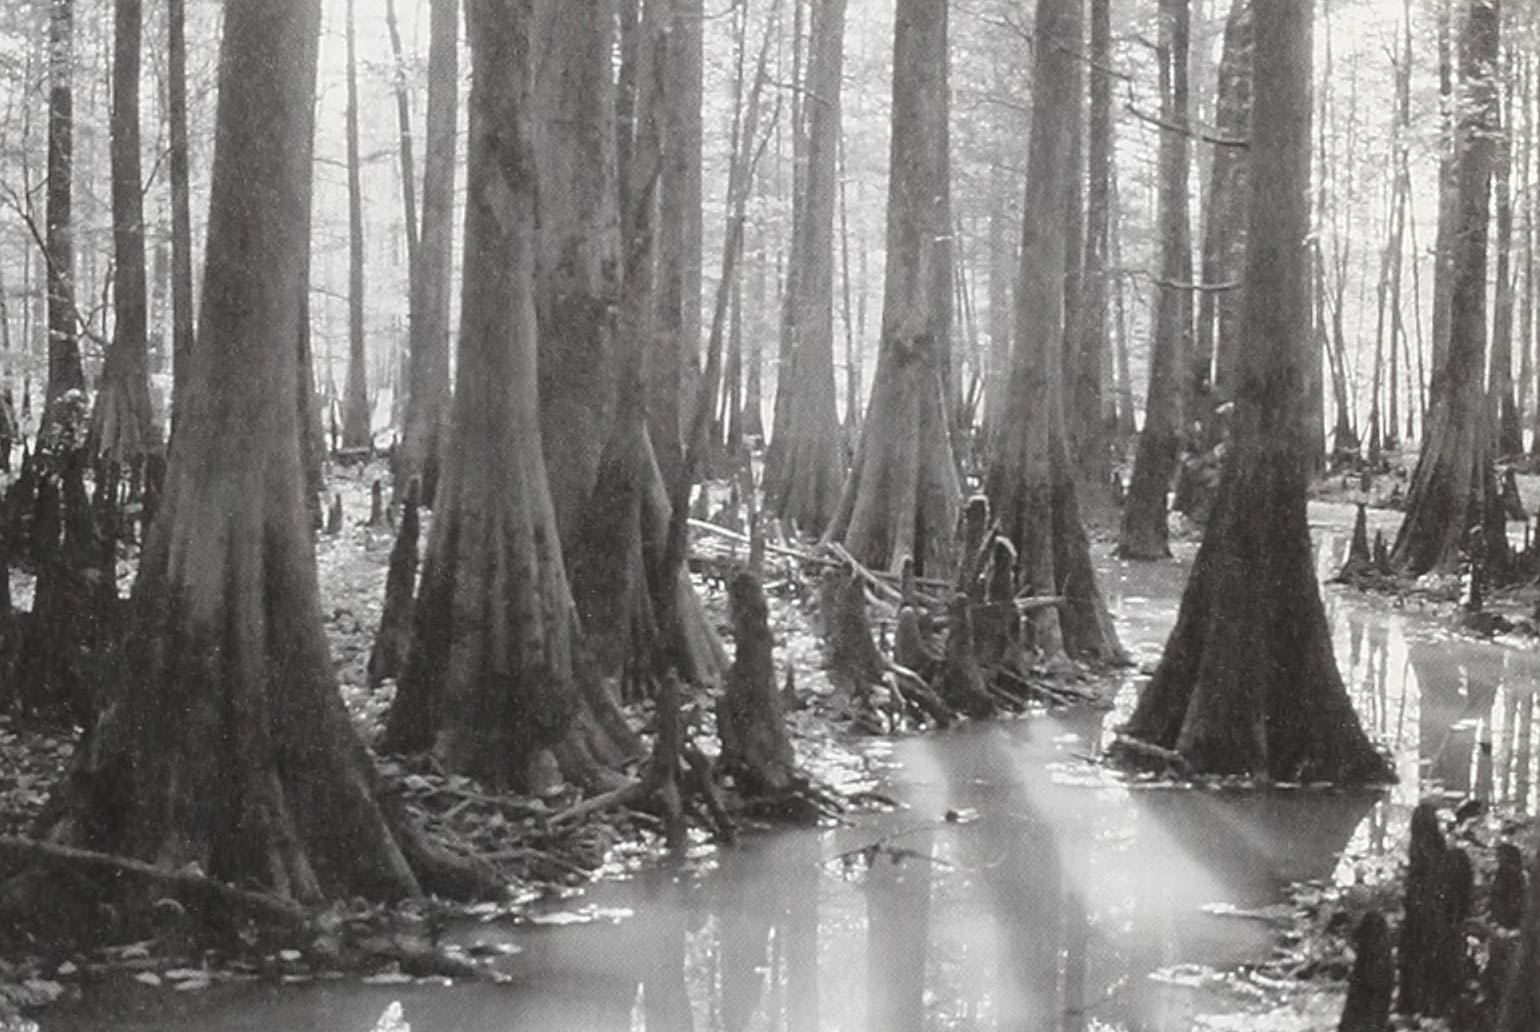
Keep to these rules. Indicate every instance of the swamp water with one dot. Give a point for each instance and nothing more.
(1021, 887)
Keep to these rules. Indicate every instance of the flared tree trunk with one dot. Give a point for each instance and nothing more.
(1144, 534)
(123, 427)
(1031, 482)
(1248, 683)
(1224, 227)
(901, 496)
(806, 483)
(489, 686)
(227, 747)
(64, 371)
(1454, 487)
(356, 429)
(427, 398)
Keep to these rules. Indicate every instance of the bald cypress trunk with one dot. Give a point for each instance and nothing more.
(225, 745)
(490, 686)
(356, 429)
(1248, 683)
(1031, 482)
(901, 496)
(1454, 487)
(1143, 534)
(64, 371)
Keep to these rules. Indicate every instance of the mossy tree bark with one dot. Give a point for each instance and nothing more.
(123, 427)
(806, 481)
(902, 494)
(1454, 487)
(1031, 482)
(1248, 683)
(227, 746)
(489, 686)
(427, 399)
(1143, 534)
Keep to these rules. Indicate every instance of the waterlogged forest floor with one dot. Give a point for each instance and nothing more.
(1281, 971)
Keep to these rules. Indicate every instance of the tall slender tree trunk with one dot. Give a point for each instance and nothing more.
(676, 345)
(123, 427)
(404, 125)
(901, 496)
(1509, 427)
(1002, 273)
(357, 428)
(1224, 227)
(786, 355)
(1031, 481)
(64, 370)
(1144, 533)
(806, 482)
(181, 213)
(1094, 457)
(1454, 487)
(427, 404)
(1248, 683)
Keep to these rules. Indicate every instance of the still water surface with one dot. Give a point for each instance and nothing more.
(1062, 899)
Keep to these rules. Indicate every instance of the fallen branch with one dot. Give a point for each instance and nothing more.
(625, 795)
(1151, 751)
(23, 852)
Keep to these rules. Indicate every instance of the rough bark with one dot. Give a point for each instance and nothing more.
(1374, 975)
(1031, 480)
(489, 686)
(806, 483)
(1224, 226)
(394, 636)
(1500, 387)
(64, 371)
(1143, 534)
(755, 746)
(356, 429)
(1520, 1008)
(181, 211)
(677, 332)
(902, 494)
(1454, 488)
(427, 399)
(1248, 683)
(1094, 457)
(1430, 952)
(123, 427)
(227, 746)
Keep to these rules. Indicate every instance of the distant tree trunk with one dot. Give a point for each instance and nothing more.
(181, 216)
(1248, 683)
(1510, 429)
(1224, 227)
(1095, 465)
(489, 685)
(404, 124)
(677, 331)
(357, 431)
(227, 747)
(1454, 488)
(1002, 273)
(1144, 534)
(786, 354)
(1444, 244)
(901, 497)
(427, 399)
(64, 371)
(123, 427)
(805, 484)
(1401, 192)
(1031, 481)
